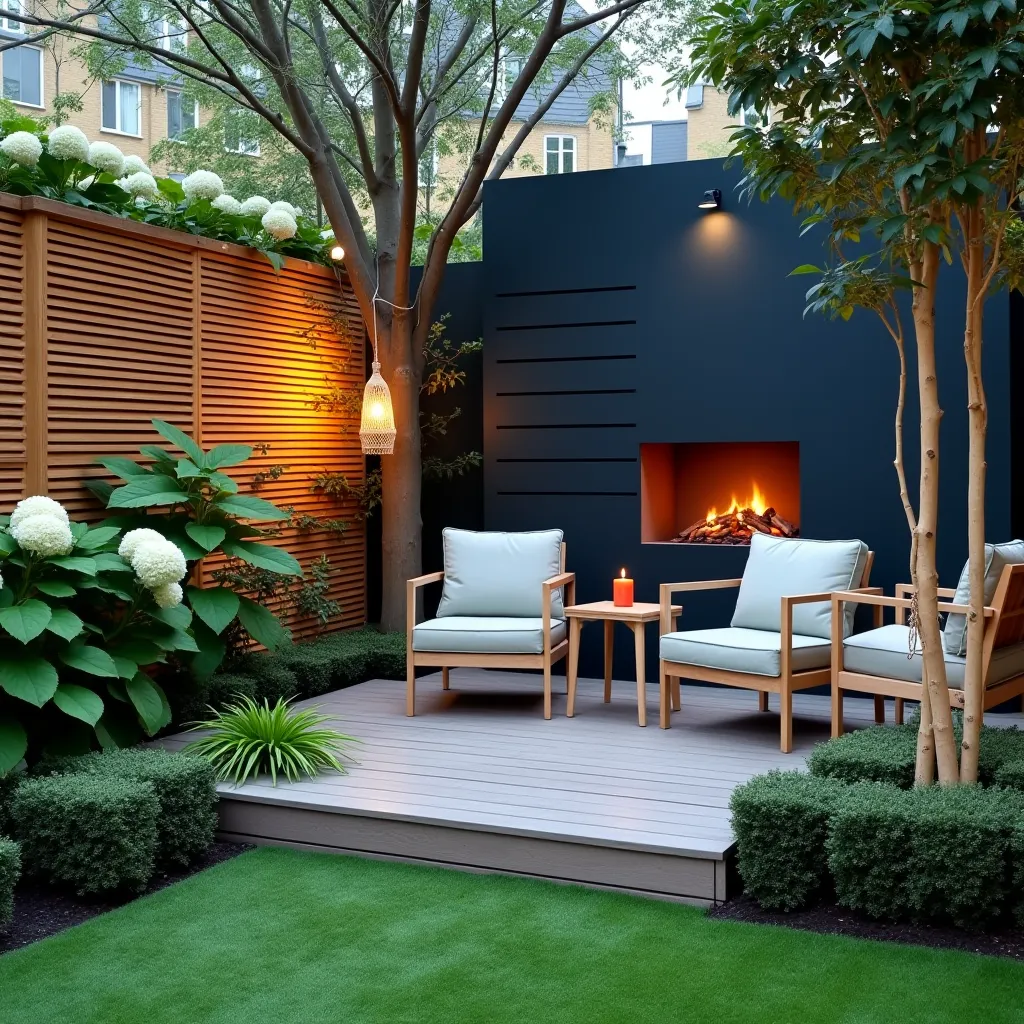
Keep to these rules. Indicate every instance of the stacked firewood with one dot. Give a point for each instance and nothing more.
(737, 528)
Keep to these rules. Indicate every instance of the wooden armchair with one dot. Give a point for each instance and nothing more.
(879, 662)
(502, 607)
(773, 644)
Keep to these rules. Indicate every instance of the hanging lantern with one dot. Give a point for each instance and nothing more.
(377, 425)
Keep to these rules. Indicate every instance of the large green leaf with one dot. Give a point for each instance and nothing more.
(216, 606)
(207, 537)
(78, 702)
(97, 538)
(263, 556)
(180, 616)
(145, 492)
(143, 693)
(64, 622)
(262, 624)
(171, 433)
(142, 652)
(119, 727)
(13, 744)
(227, 455)
(25, 621)
(187, 470)
(56, 588)
(126, 668)
(90, 660)
(249, 508)
(8, 545)
(211, 650)
(82, 564)
(183, 641)
(30, 678)
(109, 562)
(124, 468)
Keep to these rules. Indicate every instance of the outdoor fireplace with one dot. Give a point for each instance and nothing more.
(719, 492)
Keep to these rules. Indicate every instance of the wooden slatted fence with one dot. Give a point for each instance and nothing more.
(107, 324)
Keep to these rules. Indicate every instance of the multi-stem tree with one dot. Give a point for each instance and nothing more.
(899, 127)
(362, 89)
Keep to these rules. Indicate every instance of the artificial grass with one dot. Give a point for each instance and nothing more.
(297, 938)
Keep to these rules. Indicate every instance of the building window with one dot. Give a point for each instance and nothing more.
(9, 24)
(23, 75)
(235, 141)
(172, 35)
(182, 114)
(748, 117)
(121, 103)
(559, 154)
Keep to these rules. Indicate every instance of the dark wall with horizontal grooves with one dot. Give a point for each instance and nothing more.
(616, 313)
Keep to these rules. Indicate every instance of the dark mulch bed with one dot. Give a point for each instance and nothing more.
(830, 919)
(41, 910)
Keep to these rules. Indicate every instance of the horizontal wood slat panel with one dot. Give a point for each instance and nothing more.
(141, 324)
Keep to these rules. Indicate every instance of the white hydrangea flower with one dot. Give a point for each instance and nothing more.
(107, 157)
(255, 206)
(287, 207)
(168, 595)
(44, 535)
(227, 204)
(280, 224)
(156, 564)
(140, 184)
(133, 538)
(38, 505)
(1, 581)
(202, 185)
(68, 143)
(133, 164)
(23, 148)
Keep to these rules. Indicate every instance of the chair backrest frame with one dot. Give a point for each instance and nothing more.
(1006, 627)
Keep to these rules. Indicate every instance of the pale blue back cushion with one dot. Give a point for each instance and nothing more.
(779, 567)
(499, 573)
(997, 557)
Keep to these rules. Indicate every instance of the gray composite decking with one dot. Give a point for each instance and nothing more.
(479, 780)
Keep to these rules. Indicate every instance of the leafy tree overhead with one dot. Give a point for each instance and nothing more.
(363, 90)
(898, 128)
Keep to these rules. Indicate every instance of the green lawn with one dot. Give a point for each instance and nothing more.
(275, 937)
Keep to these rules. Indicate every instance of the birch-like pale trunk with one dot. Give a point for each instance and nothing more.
(927, 578)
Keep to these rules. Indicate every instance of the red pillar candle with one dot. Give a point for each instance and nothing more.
(622, 591)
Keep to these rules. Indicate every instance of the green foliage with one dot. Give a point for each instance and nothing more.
(781, 822)
(878, 754)
(185, 788)
(8, 784)
(246, 739)
(1017, 855)
(931, 854)
(344, 659)
(1010, 774)
(96, 833)
(78, 183)
(10, 872)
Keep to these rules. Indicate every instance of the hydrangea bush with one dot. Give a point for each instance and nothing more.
(85, 613)
(62, 164)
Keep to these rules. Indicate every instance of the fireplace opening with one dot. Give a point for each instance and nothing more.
(719, 492)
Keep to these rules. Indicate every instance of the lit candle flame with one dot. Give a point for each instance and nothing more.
(622, 574)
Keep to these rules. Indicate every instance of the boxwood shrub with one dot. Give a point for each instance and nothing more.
(781, 822)
(998, 747)
(1017, 854)
(272, 679)
(930, 854)
(184, 785)
(344, 659)
(1011, 774)
(8, 784)
(96, 833)
(881, 753)
(10, 872)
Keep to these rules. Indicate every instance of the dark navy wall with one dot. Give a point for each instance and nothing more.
(615, 313)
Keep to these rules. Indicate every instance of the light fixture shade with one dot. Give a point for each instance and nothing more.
(377, 424)
(711, 200)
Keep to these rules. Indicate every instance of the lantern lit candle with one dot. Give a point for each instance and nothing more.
(622, 591)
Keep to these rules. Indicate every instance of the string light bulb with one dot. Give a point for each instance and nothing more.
(337, 253)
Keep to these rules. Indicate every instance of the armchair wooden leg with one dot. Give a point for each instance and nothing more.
(664, 684)
(547, 689)
(786, 702)
(676, 699)
(879, 710)
(899, 710)
(762, 700)
(444, 678)
(837, 710)
(410, 688)
(609, 650)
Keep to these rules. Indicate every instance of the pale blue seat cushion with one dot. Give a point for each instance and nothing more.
(780, 566)
(997, 557)
(734, 649)
(499, 574)
(485, 634)
(883, 652)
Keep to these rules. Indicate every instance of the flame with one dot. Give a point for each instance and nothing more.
(622, 575)
(757, 501)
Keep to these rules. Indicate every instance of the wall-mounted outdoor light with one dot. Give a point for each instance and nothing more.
(712, 200)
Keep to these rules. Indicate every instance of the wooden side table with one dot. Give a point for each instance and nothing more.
(636, 616)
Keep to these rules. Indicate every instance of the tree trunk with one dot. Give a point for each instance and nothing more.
(934, 666)
(977, 410)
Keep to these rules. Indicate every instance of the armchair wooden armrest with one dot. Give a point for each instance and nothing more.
(411, 586)
(879, 600)
(548, 587)
(907, 590)
(666, 590)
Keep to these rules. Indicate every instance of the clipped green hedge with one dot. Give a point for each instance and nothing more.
(930, 854)
(1011, 775)
(344, 659)
(8, 784)
(10, 872)
(96, 833)
(1017, 854)
(883, 753)
(999, 747)
(272, 679)
(185, 787)
(781, 822)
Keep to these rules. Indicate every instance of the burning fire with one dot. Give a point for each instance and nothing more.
(757, 501)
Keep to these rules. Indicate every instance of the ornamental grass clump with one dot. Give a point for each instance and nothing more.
(247, 739)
